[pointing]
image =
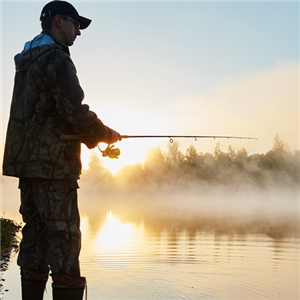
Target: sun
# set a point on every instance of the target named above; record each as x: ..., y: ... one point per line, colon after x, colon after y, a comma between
x: 131, y: 154
x: 127, y: 122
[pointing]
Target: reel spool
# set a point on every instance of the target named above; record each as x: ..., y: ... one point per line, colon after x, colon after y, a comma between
x: 110, y: 151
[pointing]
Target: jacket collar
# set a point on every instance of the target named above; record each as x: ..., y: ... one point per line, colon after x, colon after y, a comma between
x: 49, y: 34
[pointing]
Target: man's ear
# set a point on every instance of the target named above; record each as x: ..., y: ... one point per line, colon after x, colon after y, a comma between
x: 58, y: 21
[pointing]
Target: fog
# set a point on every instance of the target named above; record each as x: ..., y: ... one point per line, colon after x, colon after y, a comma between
x: 224, y: 192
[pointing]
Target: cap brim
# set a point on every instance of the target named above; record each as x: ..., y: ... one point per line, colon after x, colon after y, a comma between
x: 84, y: 22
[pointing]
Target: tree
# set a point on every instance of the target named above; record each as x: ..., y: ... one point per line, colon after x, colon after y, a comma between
x: 217, y: 151
x: 231, y: 152
x: 191, y: 156
x: 173, y: 156
x: 278, y: 145
x: 242, y: 154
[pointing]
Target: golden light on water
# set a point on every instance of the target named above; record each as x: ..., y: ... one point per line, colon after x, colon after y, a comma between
x: 115, y: 234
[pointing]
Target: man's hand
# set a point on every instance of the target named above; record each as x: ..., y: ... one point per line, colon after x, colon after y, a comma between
x: 114, y: 137
x: 90, y: 143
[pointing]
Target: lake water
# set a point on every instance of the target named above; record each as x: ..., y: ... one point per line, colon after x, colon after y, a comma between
x: 172, y: 253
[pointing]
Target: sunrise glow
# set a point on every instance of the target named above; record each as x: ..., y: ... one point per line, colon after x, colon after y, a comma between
x: 127, y: 122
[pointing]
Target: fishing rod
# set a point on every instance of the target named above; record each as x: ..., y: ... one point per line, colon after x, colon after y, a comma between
x: 112, y: 152
x: 186, y: 136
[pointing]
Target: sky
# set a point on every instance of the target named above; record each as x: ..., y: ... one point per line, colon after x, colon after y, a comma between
x: 177, y: 68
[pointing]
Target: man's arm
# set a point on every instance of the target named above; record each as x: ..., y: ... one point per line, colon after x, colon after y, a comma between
x: 69, y: 96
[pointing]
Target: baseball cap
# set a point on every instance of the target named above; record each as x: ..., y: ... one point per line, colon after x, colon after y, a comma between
x: 57, y: 7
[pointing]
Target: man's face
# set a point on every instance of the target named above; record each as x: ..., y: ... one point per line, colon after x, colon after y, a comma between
x: 69, y: 30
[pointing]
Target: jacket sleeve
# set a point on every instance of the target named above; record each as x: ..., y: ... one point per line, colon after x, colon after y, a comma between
x: 69, y: 95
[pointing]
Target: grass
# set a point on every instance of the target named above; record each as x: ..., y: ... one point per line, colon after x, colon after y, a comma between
x: 9, y: 240
x: 9, y: 244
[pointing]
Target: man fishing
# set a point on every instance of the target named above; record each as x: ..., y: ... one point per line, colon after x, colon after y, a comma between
x: 46, y: 104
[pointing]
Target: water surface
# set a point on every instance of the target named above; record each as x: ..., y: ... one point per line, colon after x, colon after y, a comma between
x: 165, y: 258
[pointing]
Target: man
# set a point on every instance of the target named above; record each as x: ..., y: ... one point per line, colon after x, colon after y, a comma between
x: 46, y: 114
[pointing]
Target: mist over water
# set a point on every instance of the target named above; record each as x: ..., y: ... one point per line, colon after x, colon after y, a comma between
x: 228, y: 192
x: 272, y: 212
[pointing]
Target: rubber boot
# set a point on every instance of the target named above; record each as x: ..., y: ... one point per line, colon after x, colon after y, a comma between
x: 61, y: 291
x: 33, y: 290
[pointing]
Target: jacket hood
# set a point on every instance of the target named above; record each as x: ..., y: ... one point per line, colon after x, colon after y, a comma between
x: 35, y: 48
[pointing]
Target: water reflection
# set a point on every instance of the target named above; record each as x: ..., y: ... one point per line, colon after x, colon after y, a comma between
x: 112, y: 232
x: 174, y: 240
x: 155, y: 256
x: 115, y: 234
x: 160, y: 258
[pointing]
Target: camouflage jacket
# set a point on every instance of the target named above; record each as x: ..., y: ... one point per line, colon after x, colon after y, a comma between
x: 46, y: 103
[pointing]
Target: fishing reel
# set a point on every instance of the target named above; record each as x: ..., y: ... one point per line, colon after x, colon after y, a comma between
x: 110, y: 151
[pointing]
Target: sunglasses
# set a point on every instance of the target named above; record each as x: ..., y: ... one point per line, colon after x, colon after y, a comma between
x: 77, y: 24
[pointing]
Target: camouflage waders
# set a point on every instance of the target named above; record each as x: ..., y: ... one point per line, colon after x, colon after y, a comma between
x: 51, y: 235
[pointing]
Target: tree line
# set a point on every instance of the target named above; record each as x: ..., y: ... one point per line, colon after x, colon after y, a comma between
x: 280, y: 165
